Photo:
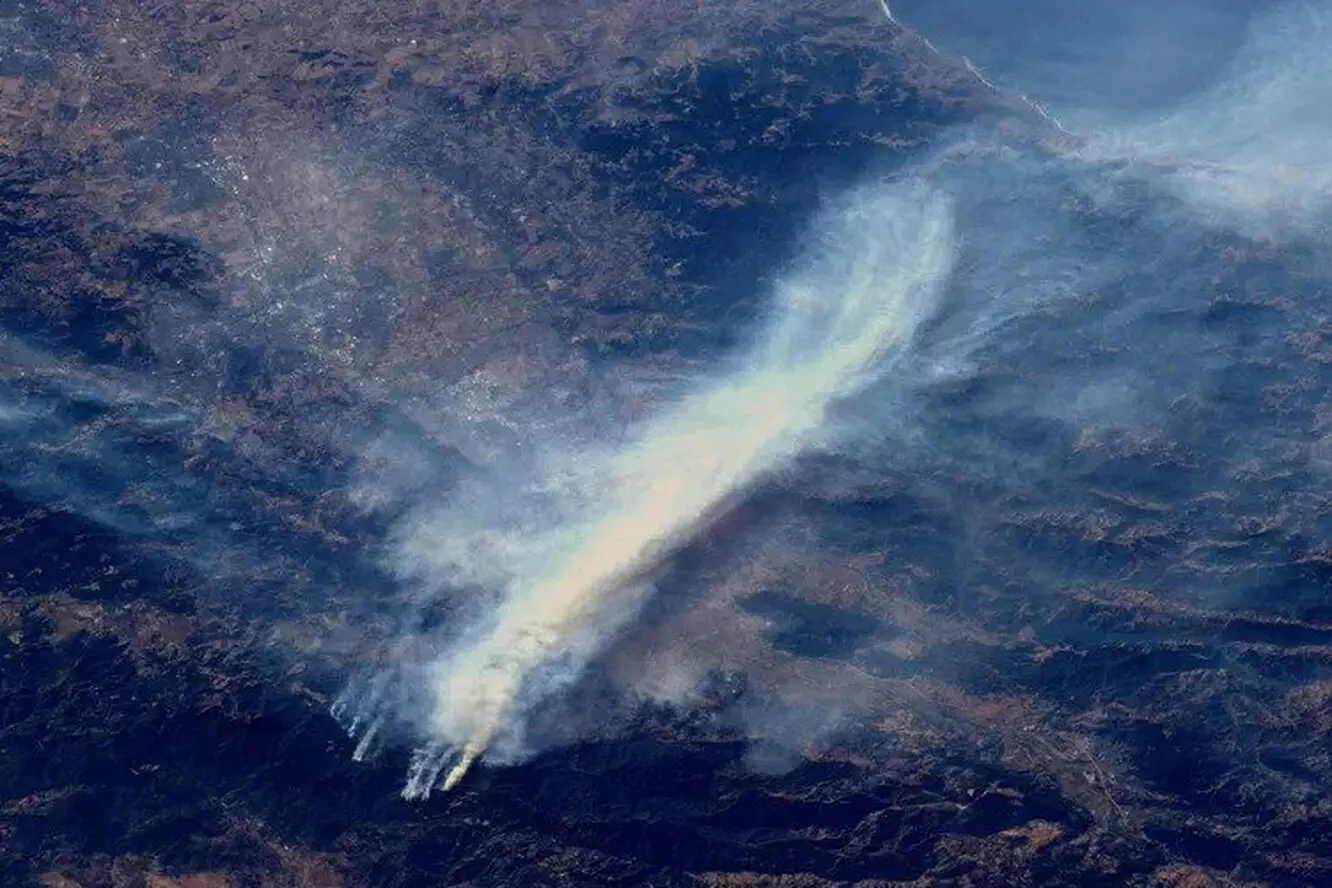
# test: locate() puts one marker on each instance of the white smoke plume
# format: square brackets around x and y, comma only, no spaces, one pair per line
[557,567]
[872,274]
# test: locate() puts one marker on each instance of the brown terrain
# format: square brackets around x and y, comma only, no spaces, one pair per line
[247,247]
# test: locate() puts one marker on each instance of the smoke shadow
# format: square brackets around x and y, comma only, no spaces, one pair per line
[812,629]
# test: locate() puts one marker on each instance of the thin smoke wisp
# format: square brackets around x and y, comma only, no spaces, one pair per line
[872,273]
[1251,149]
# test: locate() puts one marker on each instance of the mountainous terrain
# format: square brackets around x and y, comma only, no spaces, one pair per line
[273,272]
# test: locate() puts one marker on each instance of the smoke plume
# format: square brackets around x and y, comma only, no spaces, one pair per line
[546,565]
[871,277]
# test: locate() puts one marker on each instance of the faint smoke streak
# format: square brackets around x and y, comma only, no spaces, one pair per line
[1246,148]
[1252,150]
[872,274]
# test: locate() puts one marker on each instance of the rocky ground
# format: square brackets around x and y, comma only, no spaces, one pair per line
[247,247]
